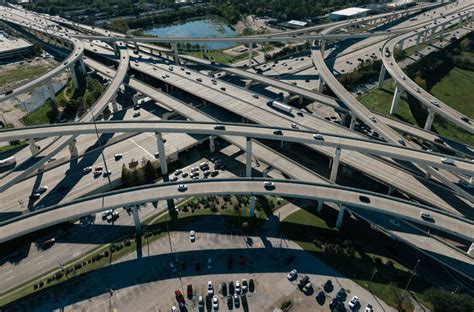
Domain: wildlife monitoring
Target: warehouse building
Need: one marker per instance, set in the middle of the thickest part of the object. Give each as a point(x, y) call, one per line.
point(11, 47)
point(348, 13)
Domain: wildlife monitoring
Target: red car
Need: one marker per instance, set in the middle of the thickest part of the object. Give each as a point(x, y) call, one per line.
point(179, 296)
point(190, 291)
point(48, 243)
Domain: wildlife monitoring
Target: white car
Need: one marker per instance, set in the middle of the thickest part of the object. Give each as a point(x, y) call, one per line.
point(215, 303)
point(41, 189)
point(447, 160)
point(173, 309)
point(417, 90)
point(192, 236)
point(292, 275)
point(210, 288)
point(369, 308)
point(354, 302)
point(373, 118)
point(178, 172)
point(435, 103)
point(209, 263)
point(182, 187)
point(237, 287)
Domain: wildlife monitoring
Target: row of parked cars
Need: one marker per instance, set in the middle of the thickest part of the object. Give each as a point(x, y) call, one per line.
point(195, 171)
point(337, 303)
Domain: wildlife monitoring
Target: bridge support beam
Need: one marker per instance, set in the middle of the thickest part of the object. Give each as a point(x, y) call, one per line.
point(340, 216)
point(418, 42)
point(174, 47)
point(441, 33)
point(162, 154)
point(52, 94)
point(82, 66)
point(73, 148)
point(400, 45)
point(322, 47)
point(252, 206)
point(381, 77)
point(425, 37)
point(74, 77)
point(320, 205)
point(114, 104)
point(136, 219)
point(320, 85)
point(250, 53)
point(335, 165)
point(395, 100)
point(429, 119)
point(248, 162)
point(33, 147)
point(433, 32)
point(212, 145)
point(353, 122)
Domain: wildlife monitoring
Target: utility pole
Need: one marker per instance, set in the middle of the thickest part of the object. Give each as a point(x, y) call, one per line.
point(412, 274)
point(101, 149)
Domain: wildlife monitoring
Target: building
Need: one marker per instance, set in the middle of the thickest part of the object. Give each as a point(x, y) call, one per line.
point(348, 13)
point(13, 47)
point(293, 24)
point(397, 5)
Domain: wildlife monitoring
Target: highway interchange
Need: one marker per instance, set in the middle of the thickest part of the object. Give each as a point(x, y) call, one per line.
point(242, 102)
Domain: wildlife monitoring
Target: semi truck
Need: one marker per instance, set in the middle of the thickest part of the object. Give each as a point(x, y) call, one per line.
point(7, 161)
point(280, 106)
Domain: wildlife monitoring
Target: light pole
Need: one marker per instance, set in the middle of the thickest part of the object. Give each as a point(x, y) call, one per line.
point(101, 149)
point(412, 274)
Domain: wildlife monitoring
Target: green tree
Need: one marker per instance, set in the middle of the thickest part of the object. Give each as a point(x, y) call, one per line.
point(150, 173)
point(443, 300)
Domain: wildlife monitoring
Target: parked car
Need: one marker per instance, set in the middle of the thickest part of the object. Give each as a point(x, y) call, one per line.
point(354, 302)
point(292, 275)
point(210, 288)
point(189, 291)
point(238, 289)
point(224, 288)
point(192, 236)
point(215, 303)
point(245, 286)
point(303, 281)
point(308, 288)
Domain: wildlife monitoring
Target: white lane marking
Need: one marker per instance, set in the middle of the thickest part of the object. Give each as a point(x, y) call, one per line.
point(142, 148)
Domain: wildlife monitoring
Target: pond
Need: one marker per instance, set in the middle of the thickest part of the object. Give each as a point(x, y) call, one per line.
point(199, 28)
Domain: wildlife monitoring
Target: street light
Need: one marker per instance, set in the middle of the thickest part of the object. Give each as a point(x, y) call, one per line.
point(101, 149)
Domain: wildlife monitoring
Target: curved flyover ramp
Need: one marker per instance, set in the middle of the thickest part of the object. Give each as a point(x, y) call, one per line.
point(242, 130)
point(352, 197)
point(424, 97)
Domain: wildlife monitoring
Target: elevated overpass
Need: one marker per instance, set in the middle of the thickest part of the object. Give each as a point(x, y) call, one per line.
point(346, 196)
point(243, 130)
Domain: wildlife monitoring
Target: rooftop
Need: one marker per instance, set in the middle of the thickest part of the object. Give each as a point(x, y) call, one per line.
point(350, 11)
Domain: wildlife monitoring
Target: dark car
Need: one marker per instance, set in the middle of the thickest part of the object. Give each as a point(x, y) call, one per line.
point(341, 294)
point(9, 92)
point(48, 243)
point(251, 285)
point(321, 297)
point(364, 199)
point(224, 289)
point(303, 281)
point(328, 286)
point(231, 288)
point(190, 291)
point(179, 296)
point(230, 302)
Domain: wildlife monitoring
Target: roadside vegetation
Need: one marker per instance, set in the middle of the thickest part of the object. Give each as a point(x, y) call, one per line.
point(374, 261)
point(70, 102)
point(233, 209)
point(17, 74)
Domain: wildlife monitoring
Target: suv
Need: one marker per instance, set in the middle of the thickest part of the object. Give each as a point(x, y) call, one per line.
point(303, 281)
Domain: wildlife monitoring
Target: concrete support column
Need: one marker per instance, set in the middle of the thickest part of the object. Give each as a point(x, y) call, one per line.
point(320, 205)
point(162, 154)
point(340, 216)
point(429, 119)
point(174, 47)
point(320, 85)
point(418, 42)
point(52, 94)
point(381, 76)
point(353, 122)
point(335, 165)
point(83, 66)
point(116, 49)
point(441, 33)
point(250, 53)
point(322, 44)
point(395, 100)
point(390, 190)
point(300, 100)
point(252, 206)
point(136, 219)
point(433, 32)
point(400, 45)
point(33, 147)
point(248, 163)
point(74, 77)
point(73, 148)
point(212, 145)
point(425, 35)
point(114, 104)
point(135, 44)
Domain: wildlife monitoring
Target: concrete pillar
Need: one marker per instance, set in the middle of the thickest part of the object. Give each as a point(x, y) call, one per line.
point(174, 47)
point(433, 32)
point(135, 44)
point(212, 145)
point(418, 42)
point(335, 165)
point(252, 206)
point(300, 100)
point(340, 216)
point(286, 98)
point(136, 219)
point(33, 147)
point(73, 148)
point(320, 205)
point(250, 53)
point(83, 66)
point(395, 100)
point(425, 35)
point(429, 119)
point(441, 33)
point(114, 104)
point(353, 122)
point(320, 85)
point(52, 94)
point(135, 99)
point(248, 163)
point(381, 77)
point(74, 77)
point(162, 154)
point(400, 45)
point(322, 44)
point(390, 190)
